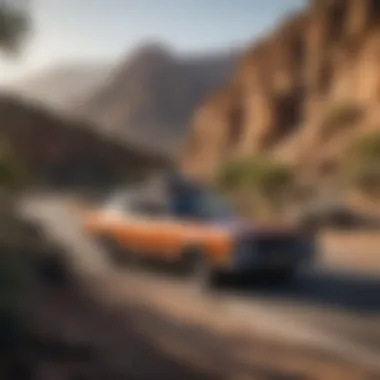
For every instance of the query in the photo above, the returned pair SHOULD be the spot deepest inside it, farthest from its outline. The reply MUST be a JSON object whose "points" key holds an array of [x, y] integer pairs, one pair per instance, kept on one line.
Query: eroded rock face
{"points": [[287, 85]]}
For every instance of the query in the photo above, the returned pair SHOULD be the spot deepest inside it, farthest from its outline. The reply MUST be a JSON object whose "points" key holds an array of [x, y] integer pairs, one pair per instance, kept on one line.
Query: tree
{"points": [[14, 272], [14, 25], [340, 117], [363, 165], [13, 171], [258, 179]]}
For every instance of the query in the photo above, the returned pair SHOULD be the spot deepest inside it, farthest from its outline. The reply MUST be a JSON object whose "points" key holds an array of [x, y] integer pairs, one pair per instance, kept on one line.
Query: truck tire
{"points": [[201, 271], [116, 255], [283, 276]]}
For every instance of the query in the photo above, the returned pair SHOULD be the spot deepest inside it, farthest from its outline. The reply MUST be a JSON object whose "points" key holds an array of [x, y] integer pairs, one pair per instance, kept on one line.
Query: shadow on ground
{"points": [[74, 337], [350, 292], [341, 290]]}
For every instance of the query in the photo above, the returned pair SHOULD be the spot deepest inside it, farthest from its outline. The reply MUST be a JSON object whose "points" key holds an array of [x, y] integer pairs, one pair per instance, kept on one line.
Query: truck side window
{"points": [[150, 208]]}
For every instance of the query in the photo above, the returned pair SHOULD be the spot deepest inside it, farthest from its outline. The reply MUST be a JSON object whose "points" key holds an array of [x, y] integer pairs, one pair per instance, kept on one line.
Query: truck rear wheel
{"points": [[283, 276], [114, 252], [201, 270]]}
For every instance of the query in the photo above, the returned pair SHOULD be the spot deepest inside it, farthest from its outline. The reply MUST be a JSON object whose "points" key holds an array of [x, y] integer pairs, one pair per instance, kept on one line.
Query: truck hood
{"points": [[239, 227]]}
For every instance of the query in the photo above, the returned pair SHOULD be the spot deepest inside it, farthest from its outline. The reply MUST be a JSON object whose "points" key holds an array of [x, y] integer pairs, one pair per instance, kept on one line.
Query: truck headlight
{"points": [[245, 254]]}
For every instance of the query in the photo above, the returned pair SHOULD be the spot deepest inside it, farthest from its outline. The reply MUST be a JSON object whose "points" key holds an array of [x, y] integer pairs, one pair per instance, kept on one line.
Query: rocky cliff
{"points": [[66, 152], [302, 93]]}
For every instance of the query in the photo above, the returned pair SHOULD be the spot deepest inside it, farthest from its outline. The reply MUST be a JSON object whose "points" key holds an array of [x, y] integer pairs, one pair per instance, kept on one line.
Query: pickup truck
{"points": [[209, 242]]}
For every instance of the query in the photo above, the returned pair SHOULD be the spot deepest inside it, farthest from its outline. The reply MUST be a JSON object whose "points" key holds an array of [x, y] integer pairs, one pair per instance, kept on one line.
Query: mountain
{"points": [[152, 94], [301, 94], [62, 151], [59, 86]]}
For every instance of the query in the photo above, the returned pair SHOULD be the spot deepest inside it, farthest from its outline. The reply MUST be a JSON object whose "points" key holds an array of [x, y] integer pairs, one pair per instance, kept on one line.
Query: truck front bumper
{"points": [[248, 260]]}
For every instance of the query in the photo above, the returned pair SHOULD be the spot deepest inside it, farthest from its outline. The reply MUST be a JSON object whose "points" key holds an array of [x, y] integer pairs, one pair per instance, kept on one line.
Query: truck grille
{"points": [[276, 245], [272, 245]]}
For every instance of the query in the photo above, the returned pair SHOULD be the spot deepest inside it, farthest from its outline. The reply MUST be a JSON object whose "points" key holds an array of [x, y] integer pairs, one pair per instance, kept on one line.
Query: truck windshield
{"points": [[213, 207]]}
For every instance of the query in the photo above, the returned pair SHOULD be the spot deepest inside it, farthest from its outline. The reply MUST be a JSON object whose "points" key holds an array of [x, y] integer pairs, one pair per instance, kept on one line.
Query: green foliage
{"points": [[261, 177], [271, 179], [13, 172], [367, 149], [363, 164], [15, 272], [14, 26], [341, 116], [234, 175]]}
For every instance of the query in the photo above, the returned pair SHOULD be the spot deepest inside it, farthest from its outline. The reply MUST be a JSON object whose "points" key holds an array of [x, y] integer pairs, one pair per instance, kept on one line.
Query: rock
{"points": [[286, 87]]}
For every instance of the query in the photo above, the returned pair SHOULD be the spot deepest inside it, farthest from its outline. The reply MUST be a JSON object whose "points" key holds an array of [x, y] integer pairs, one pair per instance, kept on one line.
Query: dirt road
{"points": [[325, 325]]}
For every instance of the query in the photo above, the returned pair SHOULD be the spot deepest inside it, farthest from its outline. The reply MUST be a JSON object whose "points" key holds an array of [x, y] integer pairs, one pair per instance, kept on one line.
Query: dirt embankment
{"points": [[51, 328], [74, 337]]}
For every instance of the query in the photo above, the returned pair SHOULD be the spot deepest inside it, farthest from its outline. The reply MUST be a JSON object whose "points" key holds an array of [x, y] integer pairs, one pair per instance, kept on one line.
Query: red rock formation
{"points": [[287, 85]]}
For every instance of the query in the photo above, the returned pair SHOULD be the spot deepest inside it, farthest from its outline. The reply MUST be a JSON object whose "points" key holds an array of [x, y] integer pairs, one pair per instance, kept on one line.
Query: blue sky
{"points": [[76, 30]]}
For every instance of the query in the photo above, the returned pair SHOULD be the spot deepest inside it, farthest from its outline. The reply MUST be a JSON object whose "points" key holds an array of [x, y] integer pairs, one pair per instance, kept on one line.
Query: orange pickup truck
{"points": [[209, 240]]}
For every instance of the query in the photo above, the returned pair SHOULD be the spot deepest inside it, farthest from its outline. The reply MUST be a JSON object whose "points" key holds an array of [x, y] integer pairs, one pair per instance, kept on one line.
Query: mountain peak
{"points": [[153, 92], [151, 50]]}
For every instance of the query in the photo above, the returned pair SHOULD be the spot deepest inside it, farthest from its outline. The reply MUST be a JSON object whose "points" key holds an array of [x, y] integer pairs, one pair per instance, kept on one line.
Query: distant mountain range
{"points": [[153, 94], [147, 99], [57, 86]]}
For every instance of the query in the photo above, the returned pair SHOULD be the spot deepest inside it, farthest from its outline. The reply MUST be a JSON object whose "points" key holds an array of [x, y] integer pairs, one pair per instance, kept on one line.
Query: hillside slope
{"points": [[67, 152], [151, 95], [60, 86], [301, 94]]}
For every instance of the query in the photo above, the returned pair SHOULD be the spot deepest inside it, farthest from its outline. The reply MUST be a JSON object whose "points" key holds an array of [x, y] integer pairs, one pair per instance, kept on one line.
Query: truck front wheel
{"points": [[202, 271], [283, 276]]}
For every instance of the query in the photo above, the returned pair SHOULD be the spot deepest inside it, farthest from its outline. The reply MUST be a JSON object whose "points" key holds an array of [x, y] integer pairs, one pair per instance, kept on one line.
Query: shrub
{"points": [[262, 178], [271, 179], [340, 116], [367, 148], [14, 27], [234, 175], [13, 172], [362, 167]]}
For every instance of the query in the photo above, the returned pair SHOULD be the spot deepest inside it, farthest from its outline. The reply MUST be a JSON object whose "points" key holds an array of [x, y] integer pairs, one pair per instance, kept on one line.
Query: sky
{"points": [[105, 30]]}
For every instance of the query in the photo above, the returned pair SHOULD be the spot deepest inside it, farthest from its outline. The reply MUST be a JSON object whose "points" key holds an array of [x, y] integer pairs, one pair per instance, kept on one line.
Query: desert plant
{"points": [[271, 179], [362, 166], [263, 179], [14, 25], [13, 172], [234, 175], [340, 116], [15, 272]]}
